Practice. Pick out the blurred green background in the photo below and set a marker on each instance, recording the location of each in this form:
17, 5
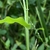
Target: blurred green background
12, 36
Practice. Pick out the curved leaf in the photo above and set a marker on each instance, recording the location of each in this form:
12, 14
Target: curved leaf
19, 20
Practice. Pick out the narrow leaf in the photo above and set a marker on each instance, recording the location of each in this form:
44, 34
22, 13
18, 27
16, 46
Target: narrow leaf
41, 47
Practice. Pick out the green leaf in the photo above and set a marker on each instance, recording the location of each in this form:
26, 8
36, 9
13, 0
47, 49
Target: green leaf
1, 4
14, 47
41, 47
48, 48
9, 20
7, 44
46, 39
32, 21
32, 1
41, 18
22, 46
1, 21
19, 20
10, 2
34, 47
2, 32
32, 42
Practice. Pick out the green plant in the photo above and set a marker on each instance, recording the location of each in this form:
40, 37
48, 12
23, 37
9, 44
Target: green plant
24, 24
25, 4
10, 20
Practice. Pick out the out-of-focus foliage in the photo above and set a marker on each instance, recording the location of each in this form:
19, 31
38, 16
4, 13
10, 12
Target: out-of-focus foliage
12, 36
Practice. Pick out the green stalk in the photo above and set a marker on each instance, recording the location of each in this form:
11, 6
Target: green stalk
41, 18
26, 20
48, 18
45, 1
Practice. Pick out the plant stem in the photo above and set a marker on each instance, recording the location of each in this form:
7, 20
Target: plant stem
26, 20
45, 1
41, 18
48, 18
